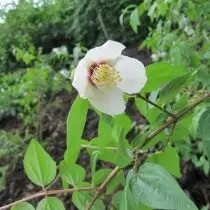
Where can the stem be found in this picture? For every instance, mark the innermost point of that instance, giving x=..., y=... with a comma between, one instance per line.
x=155, y=105
x=47, y=193
x=103, y=186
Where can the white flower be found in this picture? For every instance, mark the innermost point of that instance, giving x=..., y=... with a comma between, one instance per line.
x=104, y=74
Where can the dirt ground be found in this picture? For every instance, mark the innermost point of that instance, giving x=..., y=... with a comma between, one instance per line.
x=53, y=133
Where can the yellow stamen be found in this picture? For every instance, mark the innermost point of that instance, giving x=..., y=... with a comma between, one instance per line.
x=105, y=74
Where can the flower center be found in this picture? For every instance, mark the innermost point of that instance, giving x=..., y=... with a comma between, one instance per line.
x=104, y=74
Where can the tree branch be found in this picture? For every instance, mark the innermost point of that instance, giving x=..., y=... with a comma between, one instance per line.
x=103, y=186
x=47, y=193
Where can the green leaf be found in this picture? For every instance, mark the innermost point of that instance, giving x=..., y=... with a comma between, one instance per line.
x=169, y=159
x=203, y=131
x=116, y=157
x=81, y=200
x=105, y=130
x=182, y=129
x=142, y=106
x=134, y=20
x=173, y=88
x=50, y=203
x=75, y=126
x=100, y=175
x=159, y=74
x=39, y=166
x=23, y=206
x=122, y=124
x=156, y=188
x=119, y=179
x=73, y=174
x=123, y=200
x=93, y=162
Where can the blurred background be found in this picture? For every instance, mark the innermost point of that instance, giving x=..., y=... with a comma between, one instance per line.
x=41, y=41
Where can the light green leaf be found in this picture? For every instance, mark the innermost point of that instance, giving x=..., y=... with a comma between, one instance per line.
x=169, y=159
x=100, y=175
x=155, y=187
x=93, y=162
x=81, y=200
x=134, y=20
x=119, y=179
x=182, y=129
x=116, y=157
x=75, y=126
x=50, y=203
x=173, y=88
x=142, y=106
x=73, y=174
x=123, y=200
x=159, y=74
x=39, y=166
x=203, y=131
x=23, y=206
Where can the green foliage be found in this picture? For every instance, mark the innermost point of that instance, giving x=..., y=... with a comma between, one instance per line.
x=50, y=203
x=154, y=181
x=161, y=73
x=203, y=131
x=23, y=206
x=75, y=125
x=38, y=50
x=72, y=174
x=169, y=159
x=39, y=166
x=10, y=143
x=55, y=23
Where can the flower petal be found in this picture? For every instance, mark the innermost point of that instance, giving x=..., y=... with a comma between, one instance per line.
x=109, y=102
x=80, y=81
x=132, y=73
x=108, y=51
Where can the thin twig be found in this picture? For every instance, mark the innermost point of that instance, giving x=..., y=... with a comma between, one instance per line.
x=103, y=186
x=47, y=193
x=155, y=105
